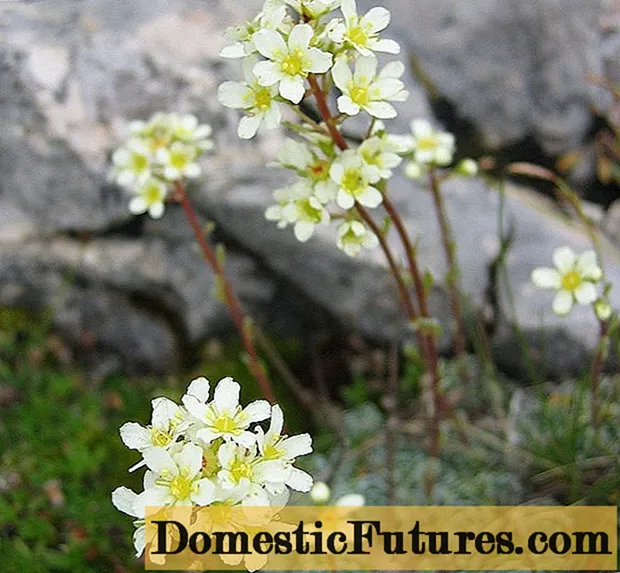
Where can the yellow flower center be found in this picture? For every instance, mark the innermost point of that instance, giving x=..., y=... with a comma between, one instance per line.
x=360, y=95
x=181, y=487
x=262, y=99
x=179, y=159
x=293, y=63
x=358, y=36
x=308, y=212
x=139, y=163
x=226, y=425
x=571, y=281
x=352, y=181
x=272, y=452
x=160, y=438
x=152, y=194
x=428, y=142
x=240, y=469
x=319, y=171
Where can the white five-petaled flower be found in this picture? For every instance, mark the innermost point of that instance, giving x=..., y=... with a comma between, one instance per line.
x=380, y=153
x=574, y=277
x=362, y=33
x=176, y=479
x=289, y=63
x=132, y=163
x=355, y=180
x=257, y=101
x=430, y=146
x=224, y=417
x=162, y=433
x=151, y=198
x=365, y=90
x=353, y=236
x=179, y=161
x=273, y=446
x=272, y=17
x=308, y=164
x=298, y=205
x=186, y=129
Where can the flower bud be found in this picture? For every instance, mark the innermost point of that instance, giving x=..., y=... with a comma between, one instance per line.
x=602, y=310
x=320, y=492
x=467, y=167
x=413, y=170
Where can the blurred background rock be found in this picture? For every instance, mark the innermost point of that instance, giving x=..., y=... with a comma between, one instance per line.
x=511, y=79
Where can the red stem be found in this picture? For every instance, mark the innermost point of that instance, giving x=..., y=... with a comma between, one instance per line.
x=232, y=302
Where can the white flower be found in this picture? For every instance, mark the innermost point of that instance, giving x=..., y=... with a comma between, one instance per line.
x=258, y=479
x=273, y=446
x=132, y=163
x=178, y=161
x=313, y=8
x=176, y=479
x=353, y=236
x=151, y=198
x=380, y=153
x=224, y=417
x=430, y=146
x=308, y=164
x=272, y=17
x=355, y=178
x=365, y=90
x=162, y=433
x=186, y=129
x=575, y=278
x=259, y=102
x=124, y=499
x=289, y=62
x=362, y=33
x=320, y=493
x=298, y=205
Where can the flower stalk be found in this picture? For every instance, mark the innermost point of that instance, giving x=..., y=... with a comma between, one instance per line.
x=230, y=299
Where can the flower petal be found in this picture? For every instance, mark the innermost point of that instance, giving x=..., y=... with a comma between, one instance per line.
x=226, y=395
x=248, y=126
x=370, y=197
x=381, y=110
x=234, y=94
x=257, y=411
x=124, y=500
x=344, y=199
x=135, y=436
x=158, y=460
x=585, y=293
x=205, y=494
x=563, y=303
x=386, y=46
x=546, y=278
x=267, y=73
x=351, y=500
x=564, y=259
x=299, y=480
x=297, y=446
x=587, y=264
x=190, y=459
x=199, y=388
x=270, y=44
x=300, y=36
x=376, y=19
x=292, y=88
x=319, y=61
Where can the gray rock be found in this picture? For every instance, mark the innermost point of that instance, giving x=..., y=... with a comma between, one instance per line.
x=135, y=293
x=513, y=69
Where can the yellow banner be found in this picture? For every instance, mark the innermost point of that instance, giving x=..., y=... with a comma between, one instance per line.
x=382, y=538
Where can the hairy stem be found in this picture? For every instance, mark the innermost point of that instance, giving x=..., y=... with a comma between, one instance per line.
x=597, y=370
x=453, y=278
x=428, y=342
x=231, y=300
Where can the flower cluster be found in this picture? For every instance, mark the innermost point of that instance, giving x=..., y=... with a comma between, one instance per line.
x=159, y=153
x=292, y=49
x=575, y=278
x=212, y=452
